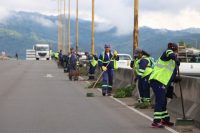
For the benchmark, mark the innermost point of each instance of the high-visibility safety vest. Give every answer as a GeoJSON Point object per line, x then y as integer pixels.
{"type": "Point", "coordinates": [136, 65]}
{"type": "Point", "coordinates": [115, 63]}
{"type": "Point", "coordinates": [148, 70]}
{"type": "Point", "coordinates": [56, 55]}
{"type": "Point", "coordinates": [94, 62]}
{"type": "Point", "coordinates": [163, 71]}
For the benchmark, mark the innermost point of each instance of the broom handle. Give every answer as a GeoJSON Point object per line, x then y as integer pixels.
{"type": "Point", "coordinates": [101, 74]}
{"type": "Point", "coordinates": [182, 103]}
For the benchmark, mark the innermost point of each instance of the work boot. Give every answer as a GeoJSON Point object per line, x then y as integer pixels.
{"type": "Point", "coordinates": [157, 125]}
{"type": "Point", "coordinates": [167, 123]}
{"type": "Point", "coordinates": [140, 100]}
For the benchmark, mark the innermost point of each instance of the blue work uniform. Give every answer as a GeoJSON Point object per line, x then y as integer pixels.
{"type": "Point", "coordinates": [93, 59]}
{"type": "Point", "coordinates": [107, 80]}
{"type": "Point", "coordinates": [60, 58]}
{"type": "Point", "coordinates": [65, 62]}
{"type": "Point", "coordinates": [159, 89]}
{"type": "Point", "coordinates": [72, 65]}
{"type": "Point", "coordinates": [72, 62]}
{"type": "Point", "coordinates": [143, 82]}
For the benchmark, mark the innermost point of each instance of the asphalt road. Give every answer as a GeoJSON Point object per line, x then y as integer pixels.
{"type": "Point", "coordinates": [37, 97]}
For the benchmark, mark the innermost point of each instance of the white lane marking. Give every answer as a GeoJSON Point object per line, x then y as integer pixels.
{"type": "Point", "coordinates": [49, 76]}
{"type": "Point", "coordinates": [140, 113]}
{"type": "Point", "coordinates": [137, 111]}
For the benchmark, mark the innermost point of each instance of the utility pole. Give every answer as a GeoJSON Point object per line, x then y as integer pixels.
{"type": "Point", "coordinates": [93, 41]}
{"type": "Point", "coordinates": [77, 30]}
{"type": "Point", "coordinates": [64, 30]}
{"type": "Point", "coordinates": [59, 27]}
{"type": "Point", "coordinates": [69, 36]}
{"type": "Point", "coordinates": [135, 32]}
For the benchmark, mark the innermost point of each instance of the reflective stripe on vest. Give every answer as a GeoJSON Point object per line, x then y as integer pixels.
{"type": "Point", "coordinates": [148, 69]}
{"type": "Point", "coordinates": [115, 63]}
{"type": "Point", "coordinates": [163, 71]}
{"type": "Point", "coordinates": [103, 56]}
{"type": "Point", "coordinates": [168, 52]}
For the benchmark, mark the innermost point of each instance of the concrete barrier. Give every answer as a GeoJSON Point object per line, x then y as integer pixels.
{"type": "Point", "coordinates": [191, 94]}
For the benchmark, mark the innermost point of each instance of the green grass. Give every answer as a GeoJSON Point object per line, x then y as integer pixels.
{"type": "Point", "coordinates": [124, 92]}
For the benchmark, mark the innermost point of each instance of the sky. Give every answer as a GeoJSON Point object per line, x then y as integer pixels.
{"type": "Point", "coordinates": [165, 14]}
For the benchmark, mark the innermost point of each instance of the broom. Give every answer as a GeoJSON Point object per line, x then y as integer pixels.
{"type": "Point", "coordinates": [183, 121]}
{"type": "Point", "coordinates": [89, 94]}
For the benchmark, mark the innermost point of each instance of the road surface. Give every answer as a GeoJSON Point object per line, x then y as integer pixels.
{"type": "Point", "coordinates": [37, 97]}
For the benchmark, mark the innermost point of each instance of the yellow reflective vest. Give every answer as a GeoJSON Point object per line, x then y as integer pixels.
{"type": "Point", "coordinates": [148, 70]}
{"type": "Point", "coordinates": [163, 71]}
{"type": "Point", "coordinates": [94, 62]}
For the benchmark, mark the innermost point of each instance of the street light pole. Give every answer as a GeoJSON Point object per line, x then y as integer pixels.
{"type": "Point", "coordinates": [69, 40]}
{"type": "Point", "coordinates": [59, 45]}
{"type": "Point", "coordinates": [135, 32]}
{"type": "Point", "coordinates": [64, 30]}
{"type": "Point", "coordinates": [93, 41]}
{"type": "Point", "coordinates": [77, 30]}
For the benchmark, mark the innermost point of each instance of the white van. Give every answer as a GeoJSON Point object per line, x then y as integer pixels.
{"type": "Point", "coordinates": [42, 52]}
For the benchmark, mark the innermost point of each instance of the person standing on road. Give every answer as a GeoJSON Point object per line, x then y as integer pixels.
{"type": "Point", "coordinates": [93, 62]}
{"type": "Point", "coordinates": [137, 57]}
{"type": "Point", "coordinates": [72, 63]}
{"type": "Point", "coordinates": [16, 55]}
{"type": "Point", "coordinates": [60, 56]}
{"type": "Point", "coordinates": [163, 74]}
{"type": "Point", "coordinates": [107, 64]}
{"type": "Point", "coordinates": [144, 71]}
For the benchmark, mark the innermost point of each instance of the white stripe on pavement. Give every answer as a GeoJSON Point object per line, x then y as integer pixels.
{"type": "Point", "coordinates": [136, 111]}
{"type": "Point", "coordinates": [140, 113]}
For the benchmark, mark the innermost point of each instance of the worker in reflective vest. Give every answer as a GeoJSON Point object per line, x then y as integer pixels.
{"type": "Point", "coordinates": [106, 63]}
{"type": "Point", "coordinates": [93, 61]}
{"type": "Point", "coordinates": [144, 71]}
{"type": "Point", "coordinates": [138, 55]}
{"type": "Point", "coordinates": [163, 74]}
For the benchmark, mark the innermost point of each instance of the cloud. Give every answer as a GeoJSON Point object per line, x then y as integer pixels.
{"type": "Point", "coordinates": [4, 14]}
{"type": "Point", "coordinates": [186, 18]}
{"type": "Point", "coordinates": [43, 21]}
{"type": "Point", "coordinates": [170, 14]}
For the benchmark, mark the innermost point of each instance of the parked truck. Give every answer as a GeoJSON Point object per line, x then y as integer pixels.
{"type": "Point", "coordinates": [42, 52]}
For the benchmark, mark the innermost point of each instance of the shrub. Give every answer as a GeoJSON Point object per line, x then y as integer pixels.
{"type": "Point", "coordinates": [124, 92]}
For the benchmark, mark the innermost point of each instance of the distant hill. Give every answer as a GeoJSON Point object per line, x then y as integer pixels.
{"type": "Point", "coordinates": [23, 29]}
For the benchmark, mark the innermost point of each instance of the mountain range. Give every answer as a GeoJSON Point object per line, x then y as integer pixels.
{"type": "Point", "coordinates": [21, 30]}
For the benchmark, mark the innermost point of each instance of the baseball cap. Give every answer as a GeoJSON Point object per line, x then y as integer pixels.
{"type": "Point", "coordinates": [137, 51]}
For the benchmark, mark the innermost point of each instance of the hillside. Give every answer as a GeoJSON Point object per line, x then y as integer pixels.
{"type": "Point", "coordinates": [22, 30]}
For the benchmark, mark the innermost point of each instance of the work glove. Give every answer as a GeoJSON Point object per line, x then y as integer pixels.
{"type": "Point", "coordinates": [104, 68]}
{"type": "Point", "coordinates": [115, 53]}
